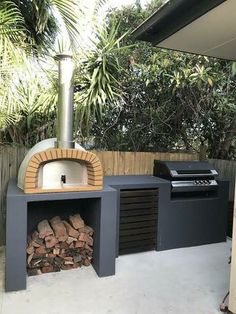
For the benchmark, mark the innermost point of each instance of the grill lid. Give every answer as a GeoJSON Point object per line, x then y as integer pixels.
{"type": "Point", "coordinates": [184, 169]}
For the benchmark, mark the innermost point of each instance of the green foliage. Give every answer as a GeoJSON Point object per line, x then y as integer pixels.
{"type": "Point", "coordinates": [98, 79]}
{"type": "Point", "coordinates": [28, 92]}
{"type": "Point", "coordinates": [29, 95]}
{"type": "Point", "coordinates": [30, 113]}
{"type": "Point", "coordinates": [12, 36]}
{"type": "Point", "coordinates": [172, 100]}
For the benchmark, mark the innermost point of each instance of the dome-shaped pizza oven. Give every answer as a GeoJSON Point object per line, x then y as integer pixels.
{"type": "Point", "coordinates": [57, 165]}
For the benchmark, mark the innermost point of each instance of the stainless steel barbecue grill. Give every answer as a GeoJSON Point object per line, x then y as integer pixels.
{"type": "Point", "coordinates": [187, 176]}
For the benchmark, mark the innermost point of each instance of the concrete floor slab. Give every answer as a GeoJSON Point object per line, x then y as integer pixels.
{"type": "Point", "coordinates": [190, 280]}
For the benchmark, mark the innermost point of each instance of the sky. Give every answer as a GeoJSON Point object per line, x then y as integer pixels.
{"type": "Point", "coordinates": [117, 3]}
{"type": "Point", "coordinates": [86, 23]}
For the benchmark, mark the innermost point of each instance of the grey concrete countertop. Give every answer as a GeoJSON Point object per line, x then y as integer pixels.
{"type": "Point", "coordinates": [13, 190]}
{"type": "Point", "coordinates": [134, 181]}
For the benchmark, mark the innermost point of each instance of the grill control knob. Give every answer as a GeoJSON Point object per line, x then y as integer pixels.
{"type": "Point", "coordinates": [196, 182]}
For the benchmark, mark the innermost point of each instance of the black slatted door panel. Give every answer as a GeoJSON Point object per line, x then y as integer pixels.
{"type": "Point", "coordinates": [134, 225]}
{"type": "Point", "coordinates": [136, 199]}
{"type": "Point", "coordinates": [139, 243]}
{"type": "Point", "coordinates": [138, 220]}
{"type": "Point", "coordinates": [135, 206]}
{"type": "Point", "coordinates": [125, 232]}
{"type": "Point", "coordinates": [135, 237]}
{"type": "Point", "coordinates": [138, 212]}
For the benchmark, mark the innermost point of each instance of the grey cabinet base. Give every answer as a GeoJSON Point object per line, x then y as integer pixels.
{"type": "Point", "coordinates": [98, 207]}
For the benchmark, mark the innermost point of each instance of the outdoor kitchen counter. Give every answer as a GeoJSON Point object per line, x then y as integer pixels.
{"type": "Point", "coordinates": [134, 181]}
{"type": "Point", "coordinates": [140, 182]}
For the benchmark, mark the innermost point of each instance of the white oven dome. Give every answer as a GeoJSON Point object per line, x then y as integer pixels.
{"type": "Point", "coordinates": [39, 147]}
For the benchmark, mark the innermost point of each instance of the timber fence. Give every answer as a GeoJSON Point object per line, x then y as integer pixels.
{"type": "Point", "coordinates": [113, 162]}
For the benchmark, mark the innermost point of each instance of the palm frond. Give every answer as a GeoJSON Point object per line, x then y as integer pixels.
{"type": "Point", "coordinates": [69, 13]}
{"type": "Point", "coordinates": [12, 35]}
{"type": "Point", "coordinates": [100, 84]}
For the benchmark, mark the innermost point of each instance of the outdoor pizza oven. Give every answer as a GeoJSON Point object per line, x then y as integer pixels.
{"type": "Point", "coordinates": [59, 164]}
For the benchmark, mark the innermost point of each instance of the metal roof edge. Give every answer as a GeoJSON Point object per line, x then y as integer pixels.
{"type": "Point", "coordinates": [171, 17]}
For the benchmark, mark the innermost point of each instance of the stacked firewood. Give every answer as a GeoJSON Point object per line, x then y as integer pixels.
{"type": "Point", "coordinates": [58, 244]}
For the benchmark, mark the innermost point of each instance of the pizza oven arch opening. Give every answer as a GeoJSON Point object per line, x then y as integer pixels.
{"type": "Point", "coordinates": [62, 173]}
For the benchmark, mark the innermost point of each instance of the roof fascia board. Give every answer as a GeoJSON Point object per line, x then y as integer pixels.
{"type": "Point", "coordinates": [171, 17]}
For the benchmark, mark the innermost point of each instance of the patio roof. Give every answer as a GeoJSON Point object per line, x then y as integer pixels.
{"type": "Point", "coordinates": [195, 26]}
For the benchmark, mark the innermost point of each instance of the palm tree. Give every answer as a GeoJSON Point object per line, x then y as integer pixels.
{"type": "Point", "coordinates": [45, 19]}
{"type": "Point", "coordinates": [28, 30]}
{"type": "Point", "coordinates": [29, 33]}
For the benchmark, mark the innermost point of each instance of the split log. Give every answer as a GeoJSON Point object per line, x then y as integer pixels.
{"type": "Point", "coordinates": [79, 244]}
{"type": "Point", "coordinates": [66, 267]}
{"type": "Point", "coordinates": [71, 240]}
{"type": "Point", "coordinates": [58, 261]}
{"type": "Point", "coordinates": [70, 230]}
{"type": "Point", "coordinates": [90, 253]}
{"type": "Point", "coordinates": [35, 244]}
{"type": "Point", "coordinates": [47, 269]}
{"type": "Point", "coordinates": [29, 259]}
{"type": "Point", "coordinates": [68, 258]}
{"type": "Point", "coordinates": [62, 251]}
{"type": "Point", "coordinates": [59, 228]}
{"type": "Point", "coordinates": [56, 251]}
{"type": "Point", "coordinates": [77, 265]}
{"type": "Point", "coordinates": [34, 271]}
{"type": "Point", "coordinates": [71, 246]}
{"type": "Point", "coordinates": [35, 237]}
{"type": "Point", "coordinates": [77, 259]}
{"type": "Point", "coordinates": [35, 262]}
{"type": "Point", "coordinates": [64, 245]}
{"type": "Point", "coordinates": [50, 241]}
{"type": "Point", "coordinates": [34, 240]}
{"type": "Point", "coordinates": [88, 248]}
{"type": "Point", "coordinates": [30, 249]}
{"type": "Point", "coordinates": [86, 262]}
{"type": "Point", "coordinates": [76, 221]}
{"type": "Point", "coordinates": [41, 250]}
{"type": "Point", "coordinates": [44, 229]}
{"type": "Point", "coordinates": [68, 263]}
{"type": "Point", "coordinates": [90, 241]}
{"type": "Point", "coordinates": [83, 237]}
{"type": "Point", "coordinates": [51, 255]}
{"type": "Point", "coordinates": [86, 229]}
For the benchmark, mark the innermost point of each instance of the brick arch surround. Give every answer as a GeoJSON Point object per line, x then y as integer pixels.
{"type": "Point", "coordinates": [90, 160]}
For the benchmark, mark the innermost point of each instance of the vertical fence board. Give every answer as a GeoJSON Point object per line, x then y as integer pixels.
{"type": "Point", "coordinates": [226, 170]}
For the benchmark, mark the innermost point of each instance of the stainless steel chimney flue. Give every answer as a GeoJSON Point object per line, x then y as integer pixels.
{"type": "Point", "coordinates": [65, 102]}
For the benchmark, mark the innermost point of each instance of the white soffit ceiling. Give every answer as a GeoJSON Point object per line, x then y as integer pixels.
{"type": "Point", "coordinates": [213, 34]}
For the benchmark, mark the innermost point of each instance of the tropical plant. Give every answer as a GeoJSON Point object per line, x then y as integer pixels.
{"type": "Point", "coordinates": [172, 100]}
{"type": "Point", "coordinates": [98, 83]}
{"type": "Point", "coordinates": [27, 99]}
